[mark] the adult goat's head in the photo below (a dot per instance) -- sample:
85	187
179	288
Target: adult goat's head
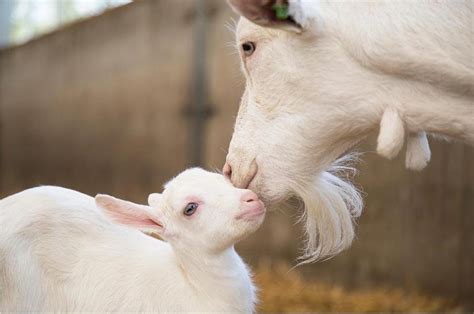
312	92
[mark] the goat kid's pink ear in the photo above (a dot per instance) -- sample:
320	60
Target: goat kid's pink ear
266	13
130	214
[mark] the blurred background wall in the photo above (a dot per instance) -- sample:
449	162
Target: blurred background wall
121	102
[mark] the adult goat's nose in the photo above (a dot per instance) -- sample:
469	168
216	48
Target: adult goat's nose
227	170
240	174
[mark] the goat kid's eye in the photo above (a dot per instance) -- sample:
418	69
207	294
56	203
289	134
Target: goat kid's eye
190	209
248	48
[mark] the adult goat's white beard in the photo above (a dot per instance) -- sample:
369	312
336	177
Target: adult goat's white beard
330	206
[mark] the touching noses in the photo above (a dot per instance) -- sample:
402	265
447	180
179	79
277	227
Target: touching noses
240	174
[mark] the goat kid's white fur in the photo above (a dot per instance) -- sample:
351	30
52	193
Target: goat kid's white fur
402	68
59	252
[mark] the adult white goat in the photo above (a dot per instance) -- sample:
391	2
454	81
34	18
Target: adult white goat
58	252
321	75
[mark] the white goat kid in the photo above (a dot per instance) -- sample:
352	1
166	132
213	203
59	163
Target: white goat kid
322	75
59	252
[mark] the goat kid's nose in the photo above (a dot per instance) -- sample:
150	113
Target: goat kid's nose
249	197
240	174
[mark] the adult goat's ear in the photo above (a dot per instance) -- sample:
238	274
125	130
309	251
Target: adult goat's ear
270	13
130	214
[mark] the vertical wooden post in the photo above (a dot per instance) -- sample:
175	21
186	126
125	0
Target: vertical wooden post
199	86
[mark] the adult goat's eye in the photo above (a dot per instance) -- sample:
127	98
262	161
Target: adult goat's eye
248	48
190	209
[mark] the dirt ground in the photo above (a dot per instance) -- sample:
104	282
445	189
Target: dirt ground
284	291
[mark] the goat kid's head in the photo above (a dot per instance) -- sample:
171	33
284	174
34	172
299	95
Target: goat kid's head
198	211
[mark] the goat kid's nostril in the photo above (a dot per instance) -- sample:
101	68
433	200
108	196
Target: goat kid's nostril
249	197
227	170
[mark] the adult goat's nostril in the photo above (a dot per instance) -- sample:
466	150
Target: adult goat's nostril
227	170
252	172
240	173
